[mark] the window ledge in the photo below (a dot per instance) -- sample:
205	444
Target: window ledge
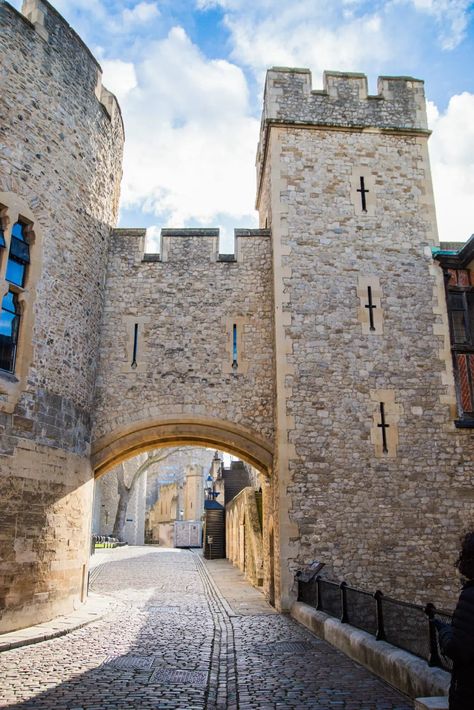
8	376
464	423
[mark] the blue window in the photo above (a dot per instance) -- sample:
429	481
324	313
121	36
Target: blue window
19	256
9	327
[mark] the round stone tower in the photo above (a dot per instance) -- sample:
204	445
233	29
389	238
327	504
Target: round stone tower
60	169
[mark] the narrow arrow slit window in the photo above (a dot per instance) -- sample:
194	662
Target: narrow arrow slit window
383	426
234	347
370	306
135	347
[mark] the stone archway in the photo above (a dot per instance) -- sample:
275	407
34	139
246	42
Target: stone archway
125	442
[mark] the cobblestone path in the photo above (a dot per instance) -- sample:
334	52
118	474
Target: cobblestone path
171	643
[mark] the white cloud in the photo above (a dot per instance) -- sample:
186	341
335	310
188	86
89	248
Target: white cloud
452	162
319	35
74	8
142	12
452	16
119	77
191	141
152	239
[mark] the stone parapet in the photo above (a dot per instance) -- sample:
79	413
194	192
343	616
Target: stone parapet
344	100
54	30
343	103
175	243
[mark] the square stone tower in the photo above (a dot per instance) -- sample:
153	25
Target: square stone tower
364	386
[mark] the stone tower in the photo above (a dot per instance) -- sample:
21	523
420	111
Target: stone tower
364	388
60	170
193	493
319	352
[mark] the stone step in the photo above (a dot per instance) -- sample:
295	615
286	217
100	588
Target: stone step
439	703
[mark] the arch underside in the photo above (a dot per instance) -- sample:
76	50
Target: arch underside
125	442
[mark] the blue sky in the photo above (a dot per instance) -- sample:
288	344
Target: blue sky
189	77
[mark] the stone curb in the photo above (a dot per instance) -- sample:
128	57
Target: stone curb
95	608
402	670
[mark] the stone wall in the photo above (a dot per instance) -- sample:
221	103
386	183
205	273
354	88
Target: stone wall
164	513
106	499
390	516
244	546
318	353
193	493
60	169
173	469
182	309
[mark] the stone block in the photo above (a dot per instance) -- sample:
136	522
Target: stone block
439	703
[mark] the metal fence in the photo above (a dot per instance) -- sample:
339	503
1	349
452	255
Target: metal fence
407	626
104	541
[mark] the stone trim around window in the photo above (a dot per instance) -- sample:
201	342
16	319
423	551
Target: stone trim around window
363	285
242	365
13	208
363	172
392	413
141	355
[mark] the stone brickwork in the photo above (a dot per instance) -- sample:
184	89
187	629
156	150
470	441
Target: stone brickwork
318	353
106	500
244	540
163	515
378	516
173	469
60	168
181	306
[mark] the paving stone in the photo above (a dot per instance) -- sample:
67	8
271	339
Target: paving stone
197	658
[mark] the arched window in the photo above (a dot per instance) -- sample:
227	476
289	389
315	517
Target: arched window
20	269
19	256
9	327
10	314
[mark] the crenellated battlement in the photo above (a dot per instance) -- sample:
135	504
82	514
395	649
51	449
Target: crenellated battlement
343	103
179	244
51	28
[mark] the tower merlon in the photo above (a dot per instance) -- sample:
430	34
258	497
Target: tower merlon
344	101
53	29
343	104
175	242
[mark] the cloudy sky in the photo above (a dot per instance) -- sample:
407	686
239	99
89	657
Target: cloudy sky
189	77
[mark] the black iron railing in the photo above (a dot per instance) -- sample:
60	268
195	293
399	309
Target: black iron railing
407	626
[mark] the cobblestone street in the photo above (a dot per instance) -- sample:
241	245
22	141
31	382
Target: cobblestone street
174	641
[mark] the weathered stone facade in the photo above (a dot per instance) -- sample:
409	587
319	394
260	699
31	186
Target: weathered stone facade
243	534
181	500
182	306
107	497
375	517
319	353
60	169
163	515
